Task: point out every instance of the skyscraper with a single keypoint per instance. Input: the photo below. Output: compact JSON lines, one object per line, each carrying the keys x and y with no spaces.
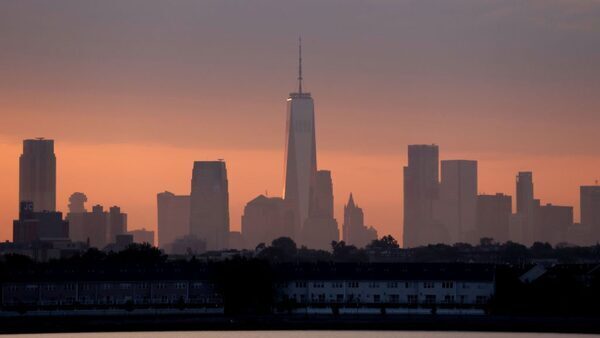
{"x":321,"y":228}
{"x":552,"y":223}
{"x":173,"y":218}
{"x":493,"y":216}
{"x":589,"y":199}
{"x":265,"y":219}
{"x":301,"y":153}
{"x":526,"y":206}
{"x":456,"y":207}
{"x":209,"y":204}
{"x":355,"y":231}
{"x":37,"y":174}
{"x":421,"y":185}
{"x":117,"y":223}
{"x":77,"y":217}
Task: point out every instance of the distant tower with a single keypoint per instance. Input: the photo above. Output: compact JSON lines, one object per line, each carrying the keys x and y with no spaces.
{"x":301,"y":154}
{"x":355,"y":231}
{"x":456,"y":207}
{"x":526,"y":205}
{"x":117,"y":224}
{"x":421,"y":185}
{"x":173,"y":218}
{"x":589,"y":201}
{"x":37,"y":174}
{"x":209,"y":204}
{"x":77,"y":202}
{"x":321,"y":228}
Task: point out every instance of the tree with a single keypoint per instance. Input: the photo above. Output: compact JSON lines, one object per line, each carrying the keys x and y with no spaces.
{"x":385,"y":243}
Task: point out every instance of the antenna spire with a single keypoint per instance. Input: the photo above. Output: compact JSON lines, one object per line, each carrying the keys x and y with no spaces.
{"x":300,"y":65}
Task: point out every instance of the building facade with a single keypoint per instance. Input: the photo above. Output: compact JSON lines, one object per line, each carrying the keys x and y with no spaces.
{"x":173,"y":218}
{"x":456,"y":207}
{"x":209,"y":204}
{"x":421,"y":188}
{"x":355,"y":232}
{"x":493,"y":216}
{"x":37,"y":174}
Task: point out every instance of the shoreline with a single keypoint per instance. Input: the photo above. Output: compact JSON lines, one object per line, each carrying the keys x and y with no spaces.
{"x":179,"y":322}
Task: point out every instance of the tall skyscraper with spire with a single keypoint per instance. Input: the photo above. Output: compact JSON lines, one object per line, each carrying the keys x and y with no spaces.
{"x":300,"y":152}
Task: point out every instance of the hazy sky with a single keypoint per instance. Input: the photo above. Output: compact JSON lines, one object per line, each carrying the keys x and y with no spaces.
{"x":134,"y":91}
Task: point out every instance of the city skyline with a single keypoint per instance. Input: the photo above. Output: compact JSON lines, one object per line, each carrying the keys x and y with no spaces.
{"x":362,"y":136}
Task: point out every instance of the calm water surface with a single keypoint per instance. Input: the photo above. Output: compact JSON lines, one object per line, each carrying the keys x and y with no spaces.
{"x":301,"y":334}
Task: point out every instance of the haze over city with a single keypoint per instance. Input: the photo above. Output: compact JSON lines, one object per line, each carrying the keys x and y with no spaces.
{"x":133,"y":93}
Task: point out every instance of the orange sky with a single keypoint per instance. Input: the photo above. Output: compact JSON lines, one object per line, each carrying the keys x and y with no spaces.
{"x":133,"y":92}
{"x":138,"y":172}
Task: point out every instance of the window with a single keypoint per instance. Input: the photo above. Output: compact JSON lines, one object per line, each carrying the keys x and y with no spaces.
{"x":353,"y":285}
{"x":392,"y":285}
{"x":412,"y":299}
{"x":430,"y":299}
{"x":449,"y":299}
{"x":428,"y":285}
{"x":339,"y":298}
{"x":394,"y":298}
{"x":481,"y":299}
{"x":376,"y":298}
{"x":447,"y":285}
{"x":374,"y":285}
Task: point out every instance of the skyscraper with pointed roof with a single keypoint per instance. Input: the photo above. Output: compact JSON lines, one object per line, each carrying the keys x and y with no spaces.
{"x":300,"y":153}
{"x":355,"y":231}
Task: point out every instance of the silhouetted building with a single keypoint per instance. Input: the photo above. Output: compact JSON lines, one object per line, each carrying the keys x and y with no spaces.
{"x":355,"y":232}
{"x":209,"y":204}
{"x":98,"y":227}
{"x":493,"y":216}
{"x":188,"y":245}
{"x":421,"y":185}
{"x":301,"y":154}
{"x":321,"y":228}
{"x":173,"y":217}
{"x":37,"y":174}
{"x":95,"y":227}
{"x":117,"y":223}
{"x":526,"y":206}
{"x":122,"y":241}
{"x":35,"y":226}
{"x":77,"y":202}
{"x":589,"y":200}
{"x":552,"y":223}
{"x":456,"y":207}
{"x":236,"y":240}
{"x":265,"y":219}
{"x":76,"y":217}
{"x":142,"y":236}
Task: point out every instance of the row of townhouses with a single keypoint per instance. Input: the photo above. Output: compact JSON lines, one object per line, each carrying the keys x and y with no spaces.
{"x":301,"y":285}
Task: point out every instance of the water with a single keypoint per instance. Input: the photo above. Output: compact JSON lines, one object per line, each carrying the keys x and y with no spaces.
{"x":301,"y":334}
